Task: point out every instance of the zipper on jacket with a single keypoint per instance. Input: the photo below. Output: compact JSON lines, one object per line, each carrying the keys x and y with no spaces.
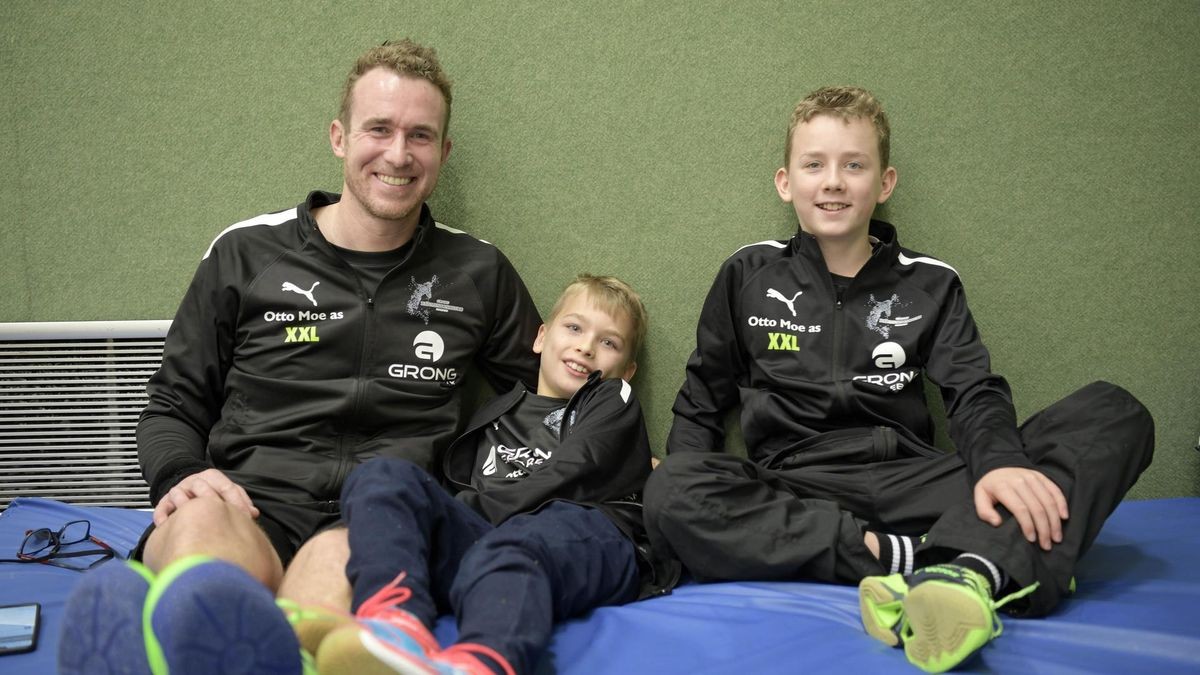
{"x":345,"y":452}
{"x":839,"y":390}
{"x":367,"y":343}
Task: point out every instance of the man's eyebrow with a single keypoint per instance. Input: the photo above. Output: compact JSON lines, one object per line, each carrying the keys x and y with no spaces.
{"x":385,"y":120}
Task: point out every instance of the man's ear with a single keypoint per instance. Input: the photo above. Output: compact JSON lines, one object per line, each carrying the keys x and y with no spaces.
{"x":337,"y":138}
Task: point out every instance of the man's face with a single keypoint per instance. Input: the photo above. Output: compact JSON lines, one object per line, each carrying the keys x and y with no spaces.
{"x":393,"y":147}
{"x":579,"y":339}
{"x":835,"y":178}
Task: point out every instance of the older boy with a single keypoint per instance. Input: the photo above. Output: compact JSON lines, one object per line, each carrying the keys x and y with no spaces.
{"x":546,"y":524}
{"x":823,"y":340}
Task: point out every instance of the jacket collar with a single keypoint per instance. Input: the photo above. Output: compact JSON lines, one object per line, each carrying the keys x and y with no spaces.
{"x":318,"y":198}
{"x":883,"y":239}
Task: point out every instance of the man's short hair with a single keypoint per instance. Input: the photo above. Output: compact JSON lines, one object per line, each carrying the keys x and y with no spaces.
{"x":405,"y":58}
{"x":614,"y":297}
{"x":845,"y":103}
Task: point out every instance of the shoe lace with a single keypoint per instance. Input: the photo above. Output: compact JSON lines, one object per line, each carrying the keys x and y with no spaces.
{"x":384,"y":606}
{"x":296,"y":612}
{"x":1016,"y":595}
{"x":961,"y":575}
{"x":385,"y":599}
{"x":465,"y":656}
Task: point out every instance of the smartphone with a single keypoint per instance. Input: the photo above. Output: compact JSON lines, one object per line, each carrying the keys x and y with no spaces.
{"x":19,"y":628}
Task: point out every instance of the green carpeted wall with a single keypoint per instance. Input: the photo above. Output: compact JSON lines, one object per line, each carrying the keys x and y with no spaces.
{"x":1049,"y":151}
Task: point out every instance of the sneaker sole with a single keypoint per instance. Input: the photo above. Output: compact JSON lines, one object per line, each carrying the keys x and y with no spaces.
{"x":948,"y":624}
{"x":354,"y":651}
{"x":872,"y":593}
{"x":102,"y":622}
{"x":206,"y":617}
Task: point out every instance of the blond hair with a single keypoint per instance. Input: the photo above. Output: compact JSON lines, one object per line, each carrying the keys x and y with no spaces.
{"x":844,"y":103}
{"x":614,"y":297}
{"x":406,"y":59}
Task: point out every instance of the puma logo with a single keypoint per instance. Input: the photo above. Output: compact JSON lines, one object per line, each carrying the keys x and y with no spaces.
{"x":289,"y":286}
{"x":776,"y":295}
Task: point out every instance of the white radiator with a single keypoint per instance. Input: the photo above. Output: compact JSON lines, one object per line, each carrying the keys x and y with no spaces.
{"x":70,"y":396}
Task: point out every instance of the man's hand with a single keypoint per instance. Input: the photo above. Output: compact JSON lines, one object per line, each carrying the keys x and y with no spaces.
{"x":207,"y":483}
{"x":1033,"y":499}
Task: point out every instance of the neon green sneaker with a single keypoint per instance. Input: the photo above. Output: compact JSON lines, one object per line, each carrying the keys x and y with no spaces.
{"x":948,"y":615}
{"x":312,"y":623}
{"x":203,"y":616}
{"x":881,"y":605}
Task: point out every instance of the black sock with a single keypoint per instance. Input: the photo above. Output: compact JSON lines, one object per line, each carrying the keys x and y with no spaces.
{"x":896,"y":552}
{"x":977,"y":563}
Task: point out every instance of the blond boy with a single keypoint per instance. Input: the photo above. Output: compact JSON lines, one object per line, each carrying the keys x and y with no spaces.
{"x":824,"y":340}
{"x":545,"y":523}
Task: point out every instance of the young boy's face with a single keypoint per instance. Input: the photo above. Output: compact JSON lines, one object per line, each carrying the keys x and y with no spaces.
{"x":835,"y":178}
{"x":579,"y":339}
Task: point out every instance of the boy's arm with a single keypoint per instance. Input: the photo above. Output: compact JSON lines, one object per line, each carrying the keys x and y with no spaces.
{"x":604,"y":456}
{"x":984,"y":429}
{"x":710,"y":385}
{"x":983,"y":422}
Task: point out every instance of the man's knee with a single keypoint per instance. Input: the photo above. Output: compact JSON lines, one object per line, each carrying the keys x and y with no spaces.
{"x":317,"y":575}
{"x":196,"y":521}
{"x":212,"y":527}
{"x":327,"y":548}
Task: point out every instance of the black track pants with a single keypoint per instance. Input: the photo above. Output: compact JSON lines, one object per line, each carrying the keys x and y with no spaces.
{"x":728,"y":518}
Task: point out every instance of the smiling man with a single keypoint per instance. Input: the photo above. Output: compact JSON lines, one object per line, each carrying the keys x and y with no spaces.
{"x":309,"y":340}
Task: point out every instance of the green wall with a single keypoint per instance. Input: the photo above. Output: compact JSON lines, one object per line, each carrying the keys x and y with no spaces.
{"x":1048,"y":152}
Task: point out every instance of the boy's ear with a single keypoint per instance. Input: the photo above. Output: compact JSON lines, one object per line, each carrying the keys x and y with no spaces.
{"x":889,"y":184}
{"x":782,"y":185}
{"x":629,"y":371}
{"x":540,"y":340}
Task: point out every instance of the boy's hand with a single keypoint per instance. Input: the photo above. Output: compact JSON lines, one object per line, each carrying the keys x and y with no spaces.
{"x":1034,"y":500}
{"x":209,"y":482}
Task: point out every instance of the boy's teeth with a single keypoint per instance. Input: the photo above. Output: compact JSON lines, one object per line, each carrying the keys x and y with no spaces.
{"x":577,"y":368}
{"x":394,"y":180}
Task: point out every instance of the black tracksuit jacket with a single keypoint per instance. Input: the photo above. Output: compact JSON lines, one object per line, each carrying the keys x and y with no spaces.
{"x":602,"y":461}
{"x":775,"y":337}
{"x":281,"y":370}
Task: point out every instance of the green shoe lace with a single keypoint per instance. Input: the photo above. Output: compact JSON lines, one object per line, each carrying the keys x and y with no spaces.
{"x":949,"y":615}
{"x":312,"y":623}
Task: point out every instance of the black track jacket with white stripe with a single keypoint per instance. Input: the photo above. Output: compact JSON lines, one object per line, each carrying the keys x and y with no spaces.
{"x":282,"y":371}
{"x":775,"y":337}
{"x":602,"y":461}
